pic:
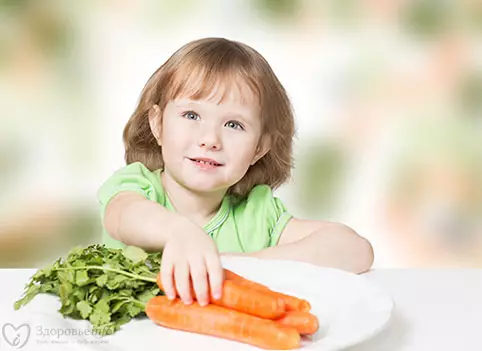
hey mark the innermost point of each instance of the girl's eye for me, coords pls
(234, 125)
(191, 115)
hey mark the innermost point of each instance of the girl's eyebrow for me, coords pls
(186, 103)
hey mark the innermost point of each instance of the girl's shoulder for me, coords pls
(260, 192)
(132, 177)
(136, 171)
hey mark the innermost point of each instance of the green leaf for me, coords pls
(118, 305)
(133, 284)
(80, 293)
(67, 309)
(84, 308)
(67, 276)
(99, 317)
(47, 270)
(94, 297)
(106, 329)
(28, 296)
(147, 295)
(81, 277)
(79, 263)
(102, 305)
(65, 291)
(125, 293)
(107, 294)
(133, 310)
(135, 254)
(94, 293)
(50, 287)
(116, 282)
(124, 319)
(101, 280)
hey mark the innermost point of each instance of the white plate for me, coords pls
(349, 308)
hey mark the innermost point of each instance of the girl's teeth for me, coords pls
(207, 163)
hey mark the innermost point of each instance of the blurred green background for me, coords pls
(387, 94)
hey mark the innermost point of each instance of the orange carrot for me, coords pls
(292, 303)
(305, 322)
(247, 300)
(221, 322)
(230, 275)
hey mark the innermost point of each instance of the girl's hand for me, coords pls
(191, 255)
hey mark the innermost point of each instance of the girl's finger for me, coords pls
(199, 281)
(167, 270)
(182, 281)
(215, 275)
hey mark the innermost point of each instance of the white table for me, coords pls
(434, 310)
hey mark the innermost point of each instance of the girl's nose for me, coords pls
(209, 139)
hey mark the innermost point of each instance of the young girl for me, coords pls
(209, 141)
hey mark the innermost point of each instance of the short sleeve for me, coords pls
(133, 177)
(261, 219)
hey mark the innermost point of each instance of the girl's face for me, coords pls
(209, 146)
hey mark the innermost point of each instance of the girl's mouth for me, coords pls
(206, 163)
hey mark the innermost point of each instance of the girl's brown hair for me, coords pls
(196, 70)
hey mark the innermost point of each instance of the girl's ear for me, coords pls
(155, 122)
(263, 148)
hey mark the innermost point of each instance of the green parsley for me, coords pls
(108, 287)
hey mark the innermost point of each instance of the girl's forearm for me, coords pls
(342, 250)
(137, 221)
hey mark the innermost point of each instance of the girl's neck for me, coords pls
(198, 207)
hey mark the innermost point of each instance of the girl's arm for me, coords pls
(321, 243)
(131, 218)
(188, 253)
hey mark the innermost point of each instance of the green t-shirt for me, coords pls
(250, 225)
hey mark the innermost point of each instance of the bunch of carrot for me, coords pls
(247, 312)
